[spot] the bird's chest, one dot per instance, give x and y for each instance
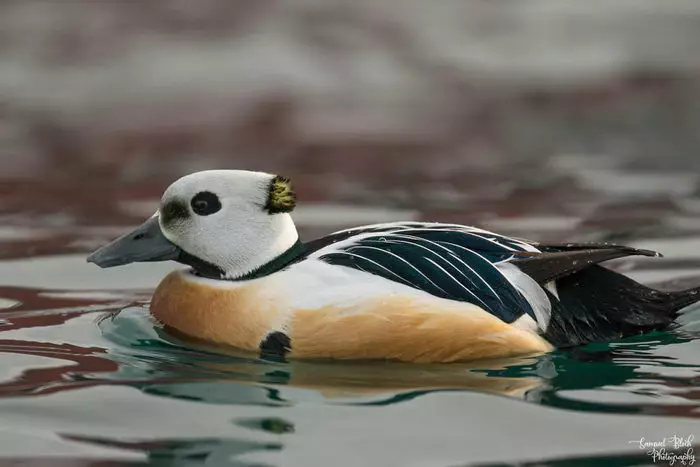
(238, 315)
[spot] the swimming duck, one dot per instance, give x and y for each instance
(409, 291)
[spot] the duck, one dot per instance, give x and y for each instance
(421, 292)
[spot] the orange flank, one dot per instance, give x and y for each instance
(410, 329)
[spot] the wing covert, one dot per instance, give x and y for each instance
(455, 263)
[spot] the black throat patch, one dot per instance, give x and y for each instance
(295, 253)
(202, 268)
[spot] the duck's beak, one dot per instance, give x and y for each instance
(146, 243)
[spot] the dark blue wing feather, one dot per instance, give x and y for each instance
(451, 262)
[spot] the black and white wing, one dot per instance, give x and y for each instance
(449, 261)
(505, 276)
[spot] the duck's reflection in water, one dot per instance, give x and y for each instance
(366, 381)
(143, 355)
(139, 353)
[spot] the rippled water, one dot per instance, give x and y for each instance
(87, 376)
(547, 119)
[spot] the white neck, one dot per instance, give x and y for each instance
(264, 247)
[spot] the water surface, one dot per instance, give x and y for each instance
(553, 120)
(86, 375)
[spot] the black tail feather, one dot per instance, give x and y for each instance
(598, 304)
(684, 298)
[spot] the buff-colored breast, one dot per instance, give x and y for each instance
(239, 316)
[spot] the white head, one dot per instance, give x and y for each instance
(234, 220)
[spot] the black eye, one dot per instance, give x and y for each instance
(205, 203)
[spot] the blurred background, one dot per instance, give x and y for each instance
(547, 118)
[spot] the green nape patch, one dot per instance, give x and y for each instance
(281, 196)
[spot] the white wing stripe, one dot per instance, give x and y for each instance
(458, 282)
(375, 263)
(475, 234)
(452, 255)
(467, 265)
(340, 246)
(402, 259)
(476, 273)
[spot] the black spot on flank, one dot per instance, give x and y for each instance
(174, 211)
(276, 345)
